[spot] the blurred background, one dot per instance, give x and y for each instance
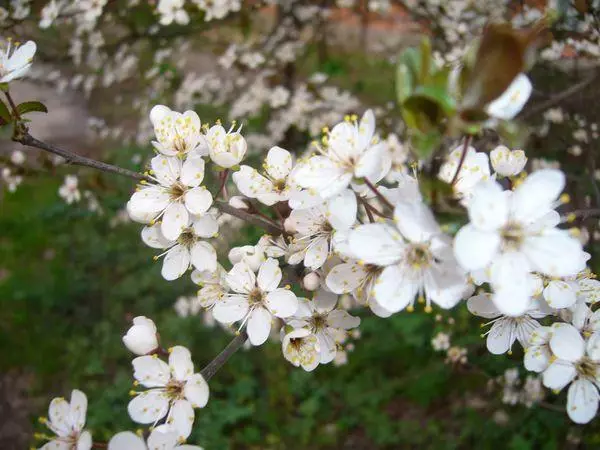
(72, 276)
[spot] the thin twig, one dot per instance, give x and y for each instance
(78, 160)
(463, 155)
(224, 175)
(212, 367)
(379, 195)
(254, 219)
(559, 97)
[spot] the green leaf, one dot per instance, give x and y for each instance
(5, 116)
(438, 95)
(425, 144)
(27, 107)
(408, 70)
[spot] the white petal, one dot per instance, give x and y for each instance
(241, 278)
(323, 175)
(488, 207)
(566, 343)
(146, 203)
(259, 326)
(512, 100)
(148, 407)
(230, 309)
(165, 169)
(251, 183)
(483, 306)
(582, 401)
(536, 195)
(58, 415)
(593, 346)
(153, 237)
(175, 219)
(370, 163)
(192, 171)
(198, 200)
(269, 275)
(559, 374)
(151, 371)
(512, 283)
(163, 437)
(205, 226)
(203, 256)
(511, 301)
(182, 418)
(85, 441)
(445, 284)
(415, 221)
(341, 210)
(376, 243)
(327, 347)
(317, 253)
(537, 358)
(278, 163)
(345, 278)
(393, 291)
(559, 294)
(555, 253)
(126, 440)
(175, 263)
(196, 390)
(78, 409)
(501, 336)
(282, 302)
(180, 362)
(475, 249)
(339, 318)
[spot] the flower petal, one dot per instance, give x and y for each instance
(341, 210)
(151, 371)
(346, 277)
(566, 343)
(376, 243)
(176, 262)
(126, 440)
(192, 171)
(174, 221)
(501, 336)
(198, 200)
(269, 275)
(582, 401)
(203, 256)
(282, 302)
(149, 406)
(182, 419)
(415, 221)
(488, 207)
(241, 278)
(259, 326)
(278, 163)
(483, 306)
(153, 237)
(230, 309)
(393, 291)
(554, 253)
(559, 294)
(559, 374)
(536, 195)
(475, 249)
(180, 362)
(196, 390)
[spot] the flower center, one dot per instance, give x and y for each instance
(174, 389)
(296, 343)
(587, 368)
(279, 185)
(255, 297)
(176, 191)
(512, 236)
(317, 323)
(187, 238)
(419, 256)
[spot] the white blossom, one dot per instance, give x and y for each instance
(142, 337)
(515, 234)
(255, 299)
(226, 148)
(69, 190)
(512, 100)
(508, 163)
(301, 347)
(174, 390)
(475, 168)
(16, 60)
(177, 134)
(159, 439)
(67, 421)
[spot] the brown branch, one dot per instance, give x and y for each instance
(72, 158)
(463, 155)
(212, 367)
(379, 195)
(541, 107)
(26, 139)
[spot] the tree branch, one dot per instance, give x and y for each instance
(26, 139)
(212, 367)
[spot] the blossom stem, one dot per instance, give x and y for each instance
(212, 367)
(99, 445)
(222, 189)
(12, 104)
(366, 206)
(463, 155)
(379, 195)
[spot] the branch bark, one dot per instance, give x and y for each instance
(213, 367)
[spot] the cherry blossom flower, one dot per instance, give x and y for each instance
(514, 234)
(172, 11)
(175, 196)
(507, 163)
(475, 168)
(174, 390)
(512, 100)
(321, 317)
(67, 420)
(177, 134)
(351, 151)
(159, 439)
(576, 362)
(440, 342)
(255, 299)
(188, 250)
(564, 293)
(16, 60)
(417, 257)
(272, 187)
(213, 285)
(226, 148)
(317, 227)
(69, 190)
(253, 255)
(142, 337)
(505, 330)
(301, 347)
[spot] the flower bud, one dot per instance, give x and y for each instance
(141, 338)
(311, 281)
(226, 148)
(289, 226)
(239, 202)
